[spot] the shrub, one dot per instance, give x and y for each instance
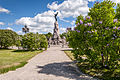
(97, 36)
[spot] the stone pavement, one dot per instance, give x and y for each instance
(52, 64)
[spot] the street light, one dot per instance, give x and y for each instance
(25, 29)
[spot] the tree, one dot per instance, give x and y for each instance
(48, 35)
(43, 41)
(19, 41)
(118, 12)
(63, 35)
(7, 38)
(31, 41)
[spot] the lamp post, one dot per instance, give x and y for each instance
(25, 29)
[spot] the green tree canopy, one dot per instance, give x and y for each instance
(32, 41)
(104, 12)
(118, 12)
(48, 35)
(7, 38)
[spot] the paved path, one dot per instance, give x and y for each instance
(52, 64)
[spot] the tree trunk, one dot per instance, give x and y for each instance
(102, 59)
(107, 58)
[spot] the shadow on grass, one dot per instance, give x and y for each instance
(103, 74)
(111, 75)
(64, 69)
(22, 51)
(5, 49)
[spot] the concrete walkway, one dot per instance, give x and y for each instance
(52, 64)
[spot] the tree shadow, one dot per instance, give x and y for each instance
(112, 75)
(5, 49)
(20, 51)
(64, 69)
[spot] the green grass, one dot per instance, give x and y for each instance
(99, 73)
(12, 59)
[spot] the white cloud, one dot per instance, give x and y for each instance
(53, 6)
(2, 23)
(92, 0)
(43, 22)
(20, 32)
(4, 10)
(64, 20)
(73, 23)
(9, 28)
(62, 30)
(116, 1)
(71, 8)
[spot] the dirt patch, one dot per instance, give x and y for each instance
(7, 66)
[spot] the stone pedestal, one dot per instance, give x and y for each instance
(56, 36)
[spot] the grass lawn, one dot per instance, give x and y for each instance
(104, 74)
(12, 59)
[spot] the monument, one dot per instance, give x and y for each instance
(56, 39)
(56, 36)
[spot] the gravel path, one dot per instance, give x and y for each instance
(52, 64)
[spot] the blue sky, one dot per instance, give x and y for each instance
(39, 14)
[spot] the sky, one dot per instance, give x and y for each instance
(38, 15)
